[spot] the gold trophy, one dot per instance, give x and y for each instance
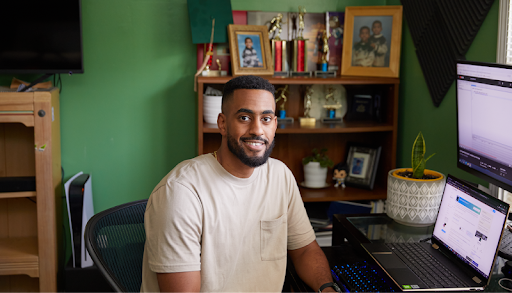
(307, 120)
(300, 49)
(279, 47)
(331, 108)
(324, 65)
(281, 118)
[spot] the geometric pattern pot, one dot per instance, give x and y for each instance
(414, 202)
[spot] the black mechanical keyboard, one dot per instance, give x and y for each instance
(361, 277)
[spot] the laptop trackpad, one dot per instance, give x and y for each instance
(389, 261)
(406, 277)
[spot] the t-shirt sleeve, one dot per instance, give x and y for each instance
(300, 231)
(173, 229)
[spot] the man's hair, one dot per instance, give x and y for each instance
(364, 28)
(377, 21)
(249, 82)
(247, 39)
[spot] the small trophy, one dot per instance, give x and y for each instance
(279, 47)
(282, 110)
(307, 120)
(300, 49)
(323, 72)
(331, 108)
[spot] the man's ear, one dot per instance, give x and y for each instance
(221, 123)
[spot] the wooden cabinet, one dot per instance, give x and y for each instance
(30, 221)
(294, 142)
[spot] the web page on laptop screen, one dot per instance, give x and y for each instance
(469, 227)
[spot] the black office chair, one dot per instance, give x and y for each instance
(115, 240)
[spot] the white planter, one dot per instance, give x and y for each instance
(314, 175)
(211, 108)
(414, 202)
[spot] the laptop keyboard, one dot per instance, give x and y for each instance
(426, 267)
(361, 277)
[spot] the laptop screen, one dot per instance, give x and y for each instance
(469, 224)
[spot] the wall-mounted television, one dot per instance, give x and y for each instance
(41, 37)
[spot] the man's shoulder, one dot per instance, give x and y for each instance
(187, 170)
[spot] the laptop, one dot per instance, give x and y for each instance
(465, 243)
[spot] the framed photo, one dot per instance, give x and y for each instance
(250, 50)
(362, 162)
(371, 41)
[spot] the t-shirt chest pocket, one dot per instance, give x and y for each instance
(274, 238)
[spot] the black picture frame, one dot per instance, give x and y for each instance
(362, 162)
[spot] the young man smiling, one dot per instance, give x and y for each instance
(225, 221)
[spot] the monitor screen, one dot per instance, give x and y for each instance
(41, 37)
(484, 128)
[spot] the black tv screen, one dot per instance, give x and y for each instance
(41, 37)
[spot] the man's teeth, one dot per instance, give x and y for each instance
(254, 143)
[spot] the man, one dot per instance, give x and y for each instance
(225, 222)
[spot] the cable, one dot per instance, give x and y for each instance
(31, 199)
(502, 286)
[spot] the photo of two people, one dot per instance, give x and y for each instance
(371, 39)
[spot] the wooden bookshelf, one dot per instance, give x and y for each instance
(30, 221)
(294, 142)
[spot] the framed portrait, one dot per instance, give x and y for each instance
(250, 50)
(362, 163)
(371, 41)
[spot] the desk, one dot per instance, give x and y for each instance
(349, 231)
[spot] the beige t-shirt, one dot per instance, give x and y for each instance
(235, 231)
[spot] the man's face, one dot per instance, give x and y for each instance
(251, 125)
(364, 35)
(248, 43)
(377, 28)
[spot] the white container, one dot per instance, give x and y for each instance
(211, 108)
(314, 175)
(414, 202)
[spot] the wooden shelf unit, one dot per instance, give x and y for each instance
(294, 142)
(30, 221)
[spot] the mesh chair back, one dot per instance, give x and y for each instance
(115, 240)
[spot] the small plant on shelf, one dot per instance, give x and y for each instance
(418, 160)
(319, 157)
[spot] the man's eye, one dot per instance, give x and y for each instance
(267, 119)
(244, 118)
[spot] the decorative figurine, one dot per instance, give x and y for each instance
(275, 26)
(339, 175)
(302, 11)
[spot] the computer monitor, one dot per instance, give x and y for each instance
(484, 121)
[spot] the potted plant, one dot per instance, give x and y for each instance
(414, 194)
(315, 169)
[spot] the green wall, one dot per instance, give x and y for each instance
(131, 117)
(417, 111)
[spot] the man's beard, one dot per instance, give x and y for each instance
(237, 149)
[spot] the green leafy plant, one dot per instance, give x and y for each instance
(320, 157)
(418, 157)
